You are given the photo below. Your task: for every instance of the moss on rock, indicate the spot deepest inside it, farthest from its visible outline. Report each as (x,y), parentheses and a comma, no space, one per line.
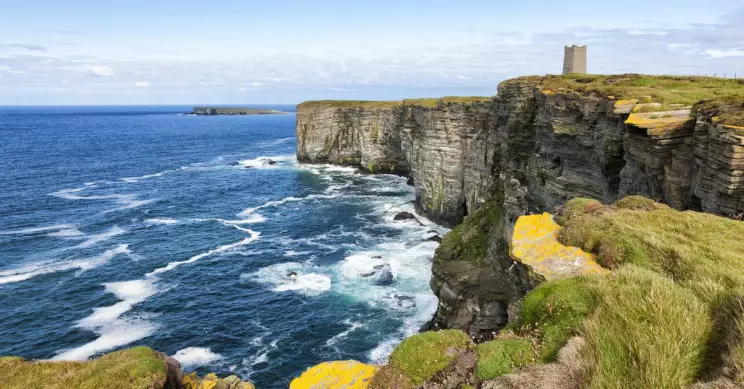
(469,240)
(421,356)
(503,356)
(135,368)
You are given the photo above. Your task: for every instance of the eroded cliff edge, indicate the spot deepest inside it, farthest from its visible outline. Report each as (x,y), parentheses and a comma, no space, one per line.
(539,143)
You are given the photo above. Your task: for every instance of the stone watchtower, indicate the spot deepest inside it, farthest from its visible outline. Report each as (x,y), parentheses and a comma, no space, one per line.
(574,60)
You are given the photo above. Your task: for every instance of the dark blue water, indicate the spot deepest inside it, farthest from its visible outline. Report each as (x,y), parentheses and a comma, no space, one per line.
(124,226)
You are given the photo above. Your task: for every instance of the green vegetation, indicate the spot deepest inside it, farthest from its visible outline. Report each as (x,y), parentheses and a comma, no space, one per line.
(469,240)
(660,89)
(424,102)
(554,312)
(648,332)
(727,110)
(672,311)
(135,368)
(502,356)
(421,356)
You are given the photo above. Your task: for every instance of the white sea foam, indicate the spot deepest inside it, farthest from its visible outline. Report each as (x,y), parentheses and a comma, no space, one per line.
(108,323)
(127,200)
(67,233)
(38,230)
(266,162)
(309,279)
(291,199)
(116,334)
(192,357)
(102,237)
(83,264)
(172,265)
(146,176)
(161,220)
(353,326)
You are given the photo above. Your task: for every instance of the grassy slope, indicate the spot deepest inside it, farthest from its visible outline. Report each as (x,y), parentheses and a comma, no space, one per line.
(670,314)
(672,311)
(421,356)
(134,368)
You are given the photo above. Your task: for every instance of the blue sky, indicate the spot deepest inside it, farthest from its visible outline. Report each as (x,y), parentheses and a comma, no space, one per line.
(233,52)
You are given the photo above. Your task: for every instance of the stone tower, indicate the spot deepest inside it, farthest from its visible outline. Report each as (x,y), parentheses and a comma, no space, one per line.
(574,60)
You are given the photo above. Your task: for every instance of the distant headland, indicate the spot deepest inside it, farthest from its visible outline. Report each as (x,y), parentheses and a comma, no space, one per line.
(211,111)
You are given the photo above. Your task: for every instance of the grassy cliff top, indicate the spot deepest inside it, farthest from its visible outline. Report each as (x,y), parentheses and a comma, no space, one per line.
(668,315)
(728,110)
(646,89)
(135,368)
(425,102)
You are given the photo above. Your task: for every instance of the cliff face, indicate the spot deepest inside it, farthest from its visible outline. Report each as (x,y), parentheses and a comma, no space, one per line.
(444,149)
(530,149)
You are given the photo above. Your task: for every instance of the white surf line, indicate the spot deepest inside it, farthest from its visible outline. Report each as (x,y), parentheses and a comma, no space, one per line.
(107,322)
(37,230)
(128,200)
(83,264)
(248,212)
(172,265)
(104,236)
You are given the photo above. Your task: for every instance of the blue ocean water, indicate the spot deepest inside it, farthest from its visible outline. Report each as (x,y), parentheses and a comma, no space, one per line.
(124,226)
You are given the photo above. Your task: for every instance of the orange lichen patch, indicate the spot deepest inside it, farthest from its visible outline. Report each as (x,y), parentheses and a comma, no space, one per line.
(535,244)
(662,123)
(625,106)
(548,92)
(335,375)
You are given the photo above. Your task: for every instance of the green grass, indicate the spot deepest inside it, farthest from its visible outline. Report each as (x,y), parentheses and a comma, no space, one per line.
(660,89)
(134,368)
(671,313)
(421,356)
(423,102)
(554,312)
(649,332)
(468,241)
(503,356)
(728,109)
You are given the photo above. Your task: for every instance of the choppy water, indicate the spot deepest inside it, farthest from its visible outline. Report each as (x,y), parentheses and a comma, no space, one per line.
(136,225)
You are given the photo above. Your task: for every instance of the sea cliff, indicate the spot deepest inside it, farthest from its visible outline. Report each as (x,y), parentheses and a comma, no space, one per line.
(537,144)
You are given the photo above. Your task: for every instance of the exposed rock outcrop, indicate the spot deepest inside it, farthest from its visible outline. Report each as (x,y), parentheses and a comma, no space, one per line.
(536,146)
(540,142)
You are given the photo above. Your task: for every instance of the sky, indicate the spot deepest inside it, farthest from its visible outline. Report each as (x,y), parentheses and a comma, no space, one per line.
(138,52)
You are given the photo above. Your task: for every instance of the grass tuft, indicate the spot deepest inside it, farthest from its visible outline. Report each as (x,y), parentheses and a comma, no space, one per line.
(503,356)
(421,356)
(134,368)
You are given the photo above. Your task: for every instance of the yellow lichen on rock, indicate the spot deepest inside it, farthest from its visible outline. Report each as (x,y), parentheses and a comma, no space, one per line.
(335,375)
(535,244)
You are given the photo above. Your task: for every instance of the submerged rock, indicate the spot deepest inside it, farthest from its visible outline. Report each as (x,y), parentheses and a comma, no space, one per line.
(404,302)
(401,216)
(381,274)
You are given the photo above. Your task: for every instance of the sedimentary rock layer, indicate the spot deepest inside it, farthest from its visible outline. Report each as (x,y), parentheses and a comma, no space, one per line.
(535,147)
(528,150)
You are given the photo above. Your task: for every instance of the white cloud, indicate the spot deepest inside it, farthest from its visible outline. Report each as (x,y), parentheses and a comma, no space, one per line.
(725,53)
(256,83)
(102,70)
(142,84)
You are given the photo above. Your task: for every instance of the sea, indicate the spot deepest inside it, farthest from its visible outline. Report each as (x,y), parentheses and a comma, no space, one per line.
(124,226)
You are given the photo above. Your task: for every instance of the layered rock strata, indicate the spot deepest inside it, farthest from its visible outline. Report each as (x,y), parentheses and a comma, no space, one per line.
(527,150)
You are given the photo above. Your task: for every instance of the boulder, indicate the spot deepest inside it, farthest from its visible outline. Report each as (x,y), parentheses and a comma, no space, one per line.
(401,216)
(381,274)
